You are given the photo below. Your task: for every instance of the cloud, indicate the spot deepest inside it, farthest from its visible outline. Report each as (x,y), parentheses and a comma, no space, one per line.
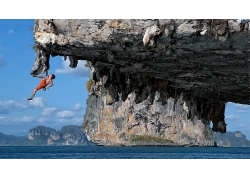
(243,111)
(11,31)
(48,111)
(2,62)
(231,117)
(25,119)
(11,120)
(79,71)
(38,102)
(242,125)
(46,120)
(3,118)
(242,108)
(238,106)
(75,120)
(7,106)
(77,107)
(65,114)
(42,119)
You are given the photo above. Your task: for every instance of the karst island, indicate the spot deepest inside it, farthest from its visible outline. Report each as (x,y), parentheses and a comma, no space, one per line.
(153,81)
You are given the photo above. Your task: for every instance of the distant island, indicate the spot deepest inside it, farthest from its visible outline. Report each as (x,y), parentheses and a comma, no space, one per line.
(72,135)
(45,136)
(231,139)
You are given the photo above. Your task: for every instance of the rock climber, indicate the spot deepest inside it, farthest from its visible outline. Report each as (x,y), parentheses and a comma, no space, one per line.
(44,82)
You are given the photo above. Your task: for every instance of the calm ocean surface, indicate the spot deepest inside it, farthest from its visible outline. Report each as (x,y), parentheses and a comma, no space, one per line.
(103,152)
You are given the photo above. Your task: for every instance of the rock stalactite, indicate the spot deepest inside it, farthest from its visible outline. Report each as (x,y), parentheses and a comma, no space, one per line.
(128,123)
(206,61)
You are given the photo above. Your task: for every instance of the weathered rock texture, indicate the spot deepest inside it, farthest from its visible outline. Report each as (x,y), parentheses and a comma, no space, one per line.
(205,61)
(127,123)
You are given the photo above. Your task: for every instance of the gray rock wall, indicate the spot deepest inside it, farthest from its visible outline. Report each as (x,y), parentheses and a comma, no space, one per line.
(127,123)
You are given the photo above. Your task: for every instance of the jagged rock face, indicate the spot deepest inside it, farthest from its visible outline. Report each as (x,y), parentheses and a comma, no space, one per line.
(208,58)
(127,123)
(205,60)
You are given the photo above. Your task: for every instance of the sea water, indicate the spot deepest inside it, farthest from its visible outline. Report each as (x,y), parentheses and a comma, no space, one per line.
(106,152)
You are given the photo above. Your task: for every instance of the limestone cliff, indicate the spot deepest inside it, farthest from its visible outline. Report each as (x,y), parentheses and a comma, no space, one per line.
(127,123)
(202,62)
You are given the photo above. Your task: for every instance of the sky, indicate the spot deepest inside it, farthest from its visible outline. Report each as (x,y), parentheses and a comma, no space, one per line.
(64,103)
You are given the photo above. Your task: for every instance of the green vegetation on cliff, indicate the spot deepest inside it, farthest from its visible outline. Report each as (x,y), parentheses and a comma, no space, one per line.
(9,140)
(149,139)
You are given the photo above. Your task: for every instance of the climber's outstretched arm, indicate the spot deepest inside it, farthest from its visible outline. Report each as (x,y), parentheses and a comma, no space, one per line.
(38,76)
